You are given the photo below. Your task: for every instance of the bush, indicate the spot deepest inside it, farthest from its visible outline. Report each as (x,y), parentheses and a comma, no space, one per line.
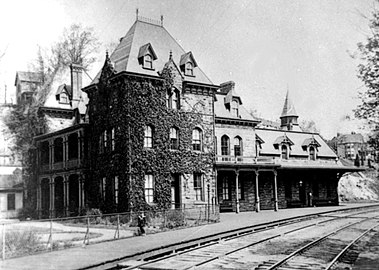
(21,243)
(175,219)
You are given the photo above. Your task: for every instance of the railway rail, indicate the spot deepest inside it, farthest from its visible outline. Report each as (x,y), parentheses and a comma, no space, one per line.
(198,254)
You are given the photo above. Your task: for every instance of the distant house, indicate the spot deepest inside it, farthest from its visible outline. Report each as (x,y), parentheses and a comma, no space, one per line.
(349,146)
(11,185)
(27,83)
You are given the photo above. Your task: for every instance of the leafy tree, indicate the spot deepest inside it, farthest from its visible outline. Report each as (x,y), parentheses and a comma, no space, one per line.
(368,72)
(309,126)
(77,45)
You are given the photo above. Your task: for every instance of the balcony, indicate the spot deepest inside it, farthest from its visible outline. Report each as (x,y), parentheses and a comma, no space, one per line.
(244,160)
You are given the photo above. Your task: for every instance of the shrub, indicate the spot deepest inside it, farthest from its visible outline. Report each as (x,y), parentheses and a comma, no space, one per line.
(21,243)
(175,219)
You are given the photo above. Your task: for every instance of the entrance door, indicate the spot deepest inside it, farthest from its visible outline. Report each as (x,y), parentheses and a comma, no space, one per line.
(175,191)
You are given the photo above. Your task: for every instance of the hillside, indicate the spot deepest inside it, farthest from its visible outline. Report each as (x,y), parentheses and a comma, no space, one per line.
(359,186)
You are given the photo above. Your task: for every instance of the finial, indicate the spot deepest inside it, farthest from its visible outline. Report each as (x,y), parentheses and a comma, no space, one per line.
(161,20)
(170,57)
(136,14)
(106,54)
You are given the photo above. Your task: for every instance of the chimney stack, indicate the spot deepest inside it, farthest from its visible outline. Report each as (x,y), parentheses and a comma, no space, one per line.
(76,81)
(227,86)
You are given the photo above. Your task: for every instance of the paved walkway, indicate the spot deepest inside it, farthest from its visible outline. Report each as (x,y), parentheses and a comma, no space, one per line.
(80,257)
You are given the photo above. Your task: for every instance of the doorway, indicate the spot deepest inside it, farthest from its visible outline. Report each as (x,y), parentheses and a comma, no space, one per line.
(175,191)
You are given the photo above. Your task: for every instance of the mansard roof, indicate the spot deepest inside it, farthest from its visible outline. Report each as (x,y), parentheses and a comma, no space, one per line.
(125,56)
(270,136)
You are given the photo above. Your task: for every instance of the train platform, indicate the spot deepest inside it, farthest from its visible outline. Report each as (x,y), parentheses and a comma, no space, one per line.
(94,254)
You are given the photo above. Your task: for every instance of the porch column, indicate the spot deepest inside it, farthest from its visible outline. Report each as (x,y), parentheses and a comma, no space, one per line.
(65,151)
(237,195)
(52,197)
(80,205)
(66,200)
(257,203)
(275,191)
(216,188)
(79,147)
(39,197)
(82,192)
(51,154)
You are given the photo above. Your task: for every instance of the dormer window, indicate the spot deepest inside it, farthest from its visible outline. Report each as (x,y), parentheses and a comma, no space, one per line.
(312,153)
(258,145)
(310,145)
(63,98)
(148,61)
(189,69)
(235,111)
(146,56)
(187,64)
(284,151)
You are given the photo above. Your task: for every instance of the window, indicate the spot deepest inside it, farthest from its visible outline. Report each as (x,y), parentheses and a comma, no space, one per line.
(189,69)
(225,189)
(225,151)
(148,140)
(235,108)
(258,148)
(237,146)
(11,201)
(105,135)
(284,151)
(173,99)
(113,143)
(149,188)
(196,139)
(103,187)
(174,141)
(198,186)
(116,189)
(312,153)
(63,98)
(315,189)
(148,61)
(101,143)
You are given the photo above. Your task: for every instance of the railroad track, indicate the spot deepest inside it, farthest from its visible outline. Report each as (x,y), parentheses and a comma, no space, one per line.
(205,253)
(326,251)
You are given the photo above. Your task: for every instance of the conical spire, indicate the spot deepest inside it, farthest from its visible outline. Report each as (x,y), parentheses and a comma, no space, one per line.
(289,107)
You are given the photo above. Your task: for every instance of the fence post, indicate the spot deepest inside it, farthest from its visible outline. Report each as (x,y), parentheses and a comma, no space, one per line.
(86,237)
(3,241)
(117,232)
(50,241)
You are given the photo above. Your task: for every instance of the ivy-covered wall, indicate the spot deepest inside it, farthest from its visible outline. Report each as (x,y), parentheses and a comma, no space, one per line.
(128,102)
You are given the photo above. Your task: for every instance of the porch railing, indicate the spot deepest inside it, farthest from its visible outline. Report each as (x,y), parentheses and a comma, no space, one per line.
(244,160)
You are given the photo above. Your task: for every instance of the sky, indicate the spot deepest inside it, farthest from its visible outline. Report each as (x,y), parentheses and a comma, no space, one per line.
(265,46)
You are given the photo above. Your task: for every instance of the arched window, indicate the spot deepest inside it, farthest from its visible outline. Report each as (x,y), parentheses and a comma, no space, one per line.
(173,99)
(237,146)
(148,61)
(189,69)
(284,151)
(148,139)
(174,138)
(225,150)
(197,139)
(312,153)
(235,111)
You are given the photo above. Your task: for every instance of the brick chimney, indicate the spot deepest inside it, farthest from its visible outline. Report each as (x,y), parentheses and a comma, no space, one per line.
(76,81)
(227,86)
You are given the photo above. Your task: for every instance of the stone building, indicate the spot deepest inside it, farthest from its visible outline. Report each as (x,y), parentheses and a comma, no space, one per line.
(158,134)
